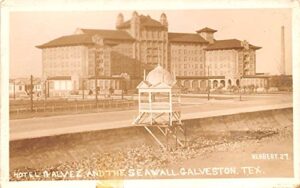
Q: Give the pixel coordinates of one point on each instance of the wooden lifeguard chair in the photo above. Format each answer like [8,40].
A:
[160,105]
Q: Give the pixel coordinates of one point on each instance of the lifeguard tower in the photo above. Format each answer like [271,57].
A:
[160,105]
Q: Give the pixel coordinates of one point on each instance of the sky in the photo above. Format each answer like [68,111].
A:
[260,27]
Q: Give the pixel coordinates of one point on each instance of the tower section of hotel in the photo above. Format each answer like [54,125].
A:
[151,39]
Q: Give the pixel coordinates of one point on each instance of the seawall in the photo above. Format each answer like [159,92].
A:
[37,152]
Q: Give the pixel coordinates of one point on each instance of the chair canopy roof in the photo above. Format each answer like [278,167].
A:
[158,78]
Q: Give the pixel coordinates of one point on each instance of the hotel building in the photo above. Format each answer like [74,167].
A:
[117,58]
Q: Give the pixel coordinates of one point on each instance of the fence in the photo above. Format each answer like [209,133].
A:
[19,108]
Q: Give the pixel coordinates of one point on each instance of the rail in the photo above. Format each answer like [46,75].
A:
[74,106]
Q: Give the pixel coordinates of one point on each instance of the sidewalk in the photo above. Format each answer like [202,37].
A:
[215,113]
[235,95]
[50,126]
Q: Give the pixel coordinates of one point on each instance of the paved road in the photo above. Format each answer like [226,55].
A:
[191,108]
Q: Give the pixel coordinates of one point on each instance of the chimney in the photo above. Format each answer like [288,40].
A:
[282,62]
[120,20]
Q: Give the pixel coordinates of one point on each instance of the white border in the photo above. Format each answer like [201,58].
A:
[4,157]
[89,5]
[296,86]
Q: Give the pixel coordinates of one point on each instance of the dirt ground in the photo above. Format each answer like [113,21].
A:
[239,155]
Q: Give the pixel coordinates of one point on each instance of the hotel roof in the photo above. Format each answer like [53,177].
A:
[70,40]
[86,38]
[186,37]
[108,34]
[229,44]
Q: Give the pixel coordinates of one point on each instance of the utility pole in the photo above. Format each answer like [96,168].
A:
[45,93]
[31,93]
[96,75]
[241,76]
[14,89]
[240,84]
[208,84]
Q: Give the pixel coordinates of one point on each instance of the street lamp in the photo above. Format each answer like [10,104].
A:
[83,88]
[97,71]
[31,93]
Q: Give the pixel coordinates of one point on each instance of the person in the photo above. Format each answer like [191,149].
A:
[111,91]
